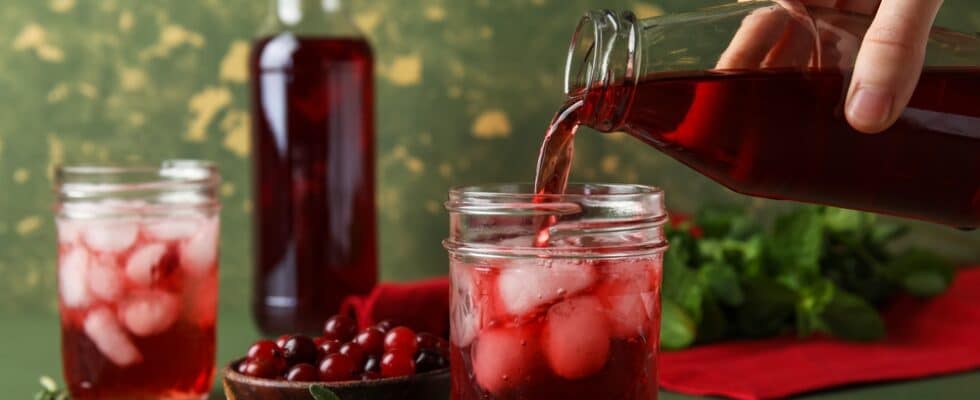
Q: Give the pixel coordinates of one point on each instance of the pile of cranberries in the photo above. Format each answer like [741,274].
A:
[342,354]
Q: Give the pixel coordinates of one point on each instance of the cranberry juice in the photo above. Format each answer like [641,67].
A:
[138,300]
[313,134]
[783,135]
[544,329]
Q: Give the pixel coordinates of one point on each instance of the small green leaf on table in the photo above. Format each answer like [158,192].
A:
[321,392]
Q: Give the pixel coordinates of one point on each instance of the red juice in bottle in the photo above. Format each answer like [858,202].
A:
[314,178]
[783,135]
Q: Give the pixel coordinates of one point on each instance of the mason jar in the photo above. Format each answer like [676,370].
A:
[568,309]
[138,279]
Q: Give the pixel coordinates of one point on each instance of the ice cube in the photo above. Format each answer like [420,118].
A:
[72,273]
[143,266]
[105,279]
[149,312]
[199,254]
[102,328]
[505,357]
[576,337]
[464,318]
[68,231]
[110,236]
[526,285]
[621,296]
[173,228]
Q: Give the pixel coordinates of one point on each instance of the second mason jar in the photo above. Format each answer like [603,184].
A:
[577,318]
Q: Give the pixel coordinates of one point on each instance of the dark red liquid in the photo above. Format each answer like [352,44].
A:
[313,133]
[783,135]
[178,363]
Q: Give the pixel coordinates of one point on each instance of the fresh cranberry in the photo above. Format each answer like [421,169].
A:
[372,364]
[372,340]
[340,327]
[302,373]
[370,375]
[299,349]
[354,351]
[269,368]
[429,360]
[320,340]
[397,363]
[263,349]
[426,340]
[281,340]
[327,348]
[385,325]
[336,367]
[401,338]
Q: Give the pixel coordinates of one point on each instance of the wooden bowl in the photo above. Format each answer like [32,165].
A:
[432,385]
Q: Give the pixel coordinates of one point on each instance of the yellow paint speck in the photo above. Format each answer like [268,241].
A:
[609,164]
[414,165]
[21,175]
[247,206]
[88,148]
[433,207]
[131,79]
[61,6]
[34,37]
[126,21]
[425,138]
[203,107]
[454,92]
[235,126]
[227,189]
[137,119]
[234,66]
[491,124]
[445,170]
[58,93]
[28,225]
[405,70]
[615,136]
[367,20]
[486,32]
[435,13]
[645,10]
[172,37]
[88,90]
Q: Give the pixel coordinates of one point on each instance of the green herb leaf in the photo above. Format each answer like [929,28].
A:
[921,273]
[677,329]
[850,317]
[725,221]
[714,324]
[722,281]
[768,307]
[683,287]
[797,240]
[321,392]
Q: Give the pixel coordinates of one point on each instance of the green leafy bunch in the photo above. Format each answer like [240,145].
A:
[817,270]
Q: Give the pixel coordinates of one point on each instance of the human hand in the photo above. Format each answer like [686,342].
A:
[886,66]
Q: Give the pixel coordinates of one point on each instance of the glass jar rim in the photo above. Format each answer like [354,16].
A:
[173,184]
[520,199]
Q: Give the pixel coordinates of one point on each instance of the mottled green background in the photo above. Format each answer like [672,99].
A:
[464,91]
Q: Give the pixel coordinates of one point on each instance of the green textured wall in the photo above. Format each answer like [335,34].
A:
[465,88]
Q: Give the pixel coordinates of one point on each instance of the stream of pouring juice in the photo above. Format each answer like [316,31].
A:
[783,135]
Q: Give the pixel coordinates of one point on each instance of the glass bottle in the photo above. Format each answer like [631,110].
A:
[313,133]
[752,95]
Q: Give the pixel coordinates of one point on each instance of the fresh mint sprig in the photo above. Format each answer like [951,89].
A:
[816,270]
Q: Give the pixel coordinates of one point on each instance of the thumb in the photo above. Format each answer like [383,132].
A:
[889,63]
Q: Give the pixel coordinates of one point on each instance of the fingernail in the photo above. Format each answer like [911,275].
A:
[870,105]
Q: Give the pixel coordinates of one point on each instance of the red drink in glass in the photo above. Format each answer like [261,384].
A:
[577,319]
[138,283]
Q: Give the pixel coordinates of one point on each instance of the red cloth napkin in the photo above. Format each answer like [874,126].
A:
[420,305]
[926,338]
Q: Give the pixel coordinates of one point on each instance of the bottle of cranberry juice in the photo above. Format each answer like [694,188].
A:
[313,129]
[752,95]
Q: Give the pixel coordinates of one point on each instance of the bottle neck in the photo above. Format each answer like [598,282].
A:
[311,18]
[603,67]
